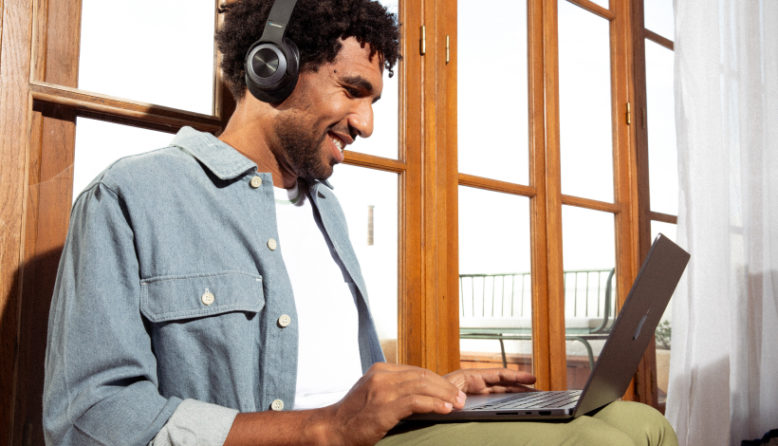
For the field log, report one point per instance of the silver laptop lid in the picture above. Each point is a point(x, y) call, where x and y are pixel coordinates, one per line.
point(634, 327)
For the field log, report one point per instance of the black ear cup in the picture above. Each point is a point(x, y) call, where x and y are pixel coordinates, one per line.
point(272, 70)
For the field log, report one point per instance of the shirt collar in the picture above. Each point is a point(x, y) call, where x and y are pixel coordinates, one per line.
point(220, 158)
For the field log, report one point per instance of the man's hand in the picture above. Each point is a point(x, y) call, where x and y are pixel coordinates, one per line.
point(386, 394)
point(495, 380)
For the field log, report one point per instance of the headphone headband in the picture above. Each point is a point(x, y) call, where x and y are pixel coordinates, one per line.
point(279, 16)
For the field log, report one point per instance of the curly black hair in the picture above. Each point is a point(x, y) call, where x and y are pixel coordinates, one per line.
point(315, 27)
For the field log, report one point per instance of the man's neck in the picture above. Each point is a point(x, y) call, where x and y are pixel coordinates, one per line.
point(249, 131)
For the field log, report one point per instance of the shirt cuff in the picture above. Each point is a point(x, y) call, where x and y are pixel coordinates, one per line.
point(196, 423)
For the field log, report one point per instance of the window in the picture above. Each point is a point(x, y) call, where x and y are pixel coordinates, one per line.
point(554, 177)
point(463, 184)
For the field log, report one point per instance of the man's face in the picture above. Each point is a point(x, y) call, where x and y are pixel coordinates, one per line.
point(328, 109)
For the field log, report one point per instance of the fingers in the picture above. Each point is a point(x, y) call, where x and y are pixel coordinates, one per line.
point(426, 389)
point(430, 393)
point(505, 389)
point(493, 380)
point(412, 388)
point(386, 394)
point(411, 404)
point(507, 377)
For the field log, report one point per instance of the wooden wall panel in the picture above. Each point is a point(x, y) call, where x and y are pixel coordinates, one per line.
point(14, 124)
point(41, 185)
point(48, 207)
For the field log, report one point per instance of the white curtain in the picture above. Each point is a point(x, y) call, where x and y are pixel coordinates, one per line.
point(724, 368)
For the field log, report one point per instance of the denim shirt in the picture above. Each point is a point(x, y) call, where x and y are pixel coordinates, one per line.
point(172, 286)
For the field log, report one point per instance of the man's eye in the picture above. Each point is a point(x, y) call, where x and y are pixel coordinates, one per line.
point(353, 92)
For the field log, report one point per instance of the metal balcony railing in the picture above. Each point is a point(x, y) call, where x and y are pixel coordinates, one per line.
point(499, 306)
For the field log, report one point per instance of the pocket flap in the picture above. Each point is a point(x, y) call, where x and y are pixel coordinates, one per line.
point(185, 297)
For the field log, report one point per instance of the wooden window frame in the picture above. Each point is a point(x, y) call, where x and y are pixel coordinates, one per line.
point(630, 207)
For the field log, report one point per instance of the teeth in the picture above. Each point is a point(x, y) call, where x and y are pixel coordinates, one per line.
point(338, 143)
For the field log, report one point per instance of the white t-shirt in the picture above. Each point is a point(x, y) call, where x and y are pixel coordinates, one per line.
point(328, 361)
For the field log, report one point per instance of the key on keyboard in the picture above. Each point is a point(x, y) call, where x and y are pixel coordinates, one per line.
point(532, 399)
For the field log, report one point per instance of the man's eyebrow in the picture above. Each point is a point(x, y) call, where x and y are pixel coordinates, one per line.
point(362, 84)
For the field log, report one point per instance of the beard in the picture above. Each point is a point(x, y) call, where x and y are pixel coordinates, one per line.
point(302, 146)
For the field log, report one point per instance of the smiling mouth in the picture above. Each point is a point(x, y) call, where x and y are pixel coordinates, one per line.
point(338, 143)
point(337, 150)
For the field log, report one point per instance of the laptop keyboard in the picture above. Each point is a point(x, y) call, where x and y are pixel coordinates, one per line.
point(535, 400)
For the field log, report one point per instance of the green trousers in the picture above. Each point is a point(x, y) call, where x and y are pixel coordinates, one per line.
point(622, 423)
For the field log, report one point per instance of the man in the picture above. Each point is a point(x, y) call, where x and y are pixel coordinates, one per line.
point(185, 288)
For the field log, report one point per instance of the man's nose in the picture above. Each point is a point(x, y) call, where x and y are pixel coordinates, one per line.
point(361, 120)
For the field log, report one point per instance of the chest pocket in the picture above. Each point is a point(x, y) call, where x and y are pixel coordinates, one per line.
point(170, 298)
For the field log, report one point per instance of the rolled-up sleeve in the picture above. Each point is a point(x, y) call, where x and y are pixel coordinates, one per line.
point(100, 378)
point(186, 426)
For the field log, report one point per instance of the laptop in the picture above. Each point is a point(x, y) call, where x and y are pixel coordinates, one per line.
point(618, 360)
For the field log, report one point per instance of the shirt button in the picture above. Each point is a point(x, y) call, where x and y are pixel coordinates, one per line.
point(272, 244)
point(277, 405)
point(207, 298)
point(256, 181)
point(284, 321)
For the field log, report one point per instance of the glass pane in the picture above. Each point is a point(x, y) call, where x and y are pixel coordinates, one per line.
point(492, 128)
point(371, 213)
point(155, 51)
point(664, 332)
point(590, 293)
point(662, 151)
point(494, 282)
point(603, 3)
point(659, 17)
point(385, 140)
point(586, 137)
point(100, 143)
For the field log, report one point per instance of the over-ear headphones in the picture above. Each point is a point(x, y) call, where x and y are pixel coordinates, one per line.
point(273, 62)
